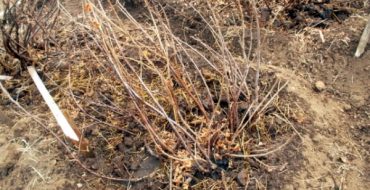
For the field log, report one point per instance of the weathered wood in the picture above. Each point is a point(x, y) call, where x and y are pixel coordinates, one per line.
point(364, 40)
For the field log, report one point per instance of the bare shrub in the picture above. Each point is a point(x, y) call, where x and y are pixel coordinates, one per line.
point(197, 103)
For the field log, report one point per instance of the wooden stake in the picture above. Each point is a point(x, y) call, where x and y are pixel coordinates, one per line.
point(364, 40)
point(61, 119)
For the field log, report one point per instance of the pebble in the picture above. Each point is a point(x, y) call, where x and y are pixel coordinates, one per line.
point(320, 86)
point(347, 107)
point(343, 159)
point(79, 185)
point(318, 138)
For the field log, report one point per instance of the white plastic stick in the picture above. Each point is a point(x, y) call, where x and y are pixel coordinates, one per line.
point(4, 77)
point(61, 120)
point(364, 40)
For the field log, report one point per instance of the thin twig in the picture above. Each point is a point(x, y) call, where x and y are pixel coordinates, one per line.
point(262, 154)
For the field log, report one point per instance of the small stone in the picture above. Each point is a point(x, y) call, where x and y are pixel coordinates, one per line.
point(79, 185)
point(243, 177)
point(343, 159)
point(53, 162)
point(318, 138)
point(320, 86)
point(347, 107)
